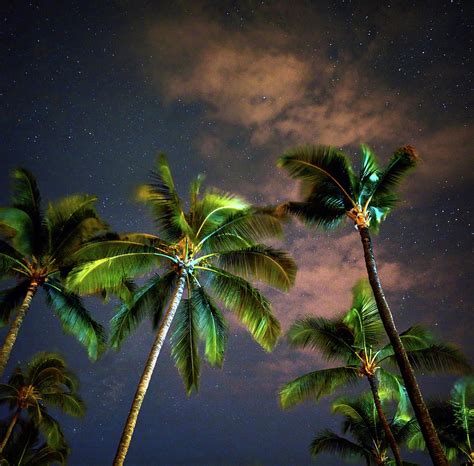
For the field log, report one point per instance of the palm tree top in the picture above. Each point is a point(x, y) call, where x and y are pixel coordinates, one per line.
point(332, 190)
point(215, 244)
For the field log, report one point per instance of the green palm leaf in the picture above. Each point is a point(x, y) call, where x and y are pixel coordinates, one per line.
point(333, 339)
point(212, 326)
point(184, 343)
point(109, 263)
point(10, 298)
point(10, 260)
point(68, 403)
point(260, 262)
point(49, 427)
point(75, 319)
point(314, 385)
point(249, 304)
point(329, 442)
point(149, 300)
point(16, 225)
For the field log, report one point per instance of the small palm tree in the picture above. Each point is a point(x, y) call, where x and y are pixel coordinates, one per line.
point(25, 447)
point(207, 254)
point(333, 192)
point(356, 339)
point(46, 383)
point(367, 441)
point(454, 421)
point(34, 249)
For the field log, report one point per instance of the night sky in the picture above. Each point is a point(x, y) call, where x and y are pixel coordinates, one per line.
point(91, 91)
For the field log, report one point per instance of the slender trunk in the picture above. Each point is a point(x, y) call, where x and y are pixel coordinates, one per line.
point(421, 412)
point(148, 371)
point(383, 419)
point(15, 327)
point(9, 431)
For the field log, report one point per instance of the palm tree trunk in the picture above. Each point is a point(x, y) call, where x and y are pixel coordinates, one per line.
point(383, 419)
point(15, 327)
point(9, 431)
point(148, 371)
point(421, 412)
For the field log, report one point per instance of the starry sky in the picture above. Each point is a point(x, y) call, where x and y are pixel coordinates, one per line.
point(91, 91)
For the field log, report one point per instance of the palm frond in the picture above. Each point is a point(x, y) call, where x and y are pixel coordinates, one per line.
point(333, 338)
point(106, 264)
point(401, 162)
point(260, 262)
point(462, 401)
point(161, 196)
point(322, 166)
point(68, 403)
point(369, 165)
point(248, 303)
point(10, 298)
point(315, 385)
point(149, 300)
point(184, 343)
point(10, 260)
point(212, 326)
point(75, 319)
point(239, 229)
point(329, 442)
point(440, 357)
point(17, 227)
point(71, 222)
point(50, 428)
point(26, 197)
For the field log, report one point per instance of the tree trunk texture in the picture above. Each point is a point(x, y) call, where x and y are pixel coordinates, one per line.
point(12, 334)
point(11, 426)
point(421, 412)
point(148, 371)
point(383, 419)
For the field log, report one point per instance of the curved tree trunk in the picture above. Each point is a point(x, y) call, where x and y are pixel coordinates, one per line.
point(15, 327)
point(11, 426)
point(383, 419)
point(148, 371)
point(421, 412)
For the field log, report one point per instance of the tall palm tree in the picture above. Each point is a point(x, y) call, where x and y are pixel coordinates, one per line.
point(332, 192)
point(46, 383)
point(206, 254)
point(454, 421)
point(26, 448)
point(357, 340)
point(34, 247)
point(367, 439)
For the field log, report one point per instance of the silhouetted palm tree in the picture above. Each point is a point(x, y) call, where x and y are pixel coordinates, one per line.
point(357, 340)
point(46, 383)
point(454, 421)
point(34, 249)
point(332, 192)
point(207, 255)
point(366, 438)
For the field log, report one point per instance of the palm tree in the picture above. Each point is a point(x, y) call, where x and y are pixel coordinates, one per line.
point(332, 192)
point(454, 421)
point(356, 339)
point(34, 247)
point(367, 440)
point(25, 447)
point(46, 383)
point(207, 254)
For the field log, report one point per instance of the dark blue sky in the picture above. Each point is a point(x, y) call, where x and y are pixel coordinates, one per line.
point(91, 92)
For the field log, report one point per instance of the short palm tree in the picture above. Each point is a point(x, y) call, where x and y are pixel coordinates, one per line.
point(454, 421)
point(35, 246)
point(207, 254)
point(367, 438)
point(26, 448)
point(46, 383)
point(357, 340)
point(333, 192)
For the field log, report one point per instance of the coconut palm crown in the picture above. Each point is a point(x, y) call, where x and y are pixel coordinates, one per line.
point(365, 437)
point(332, 191)
point(46, 383)
point(35, 246)
point(357, 340)
point(207, 254)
